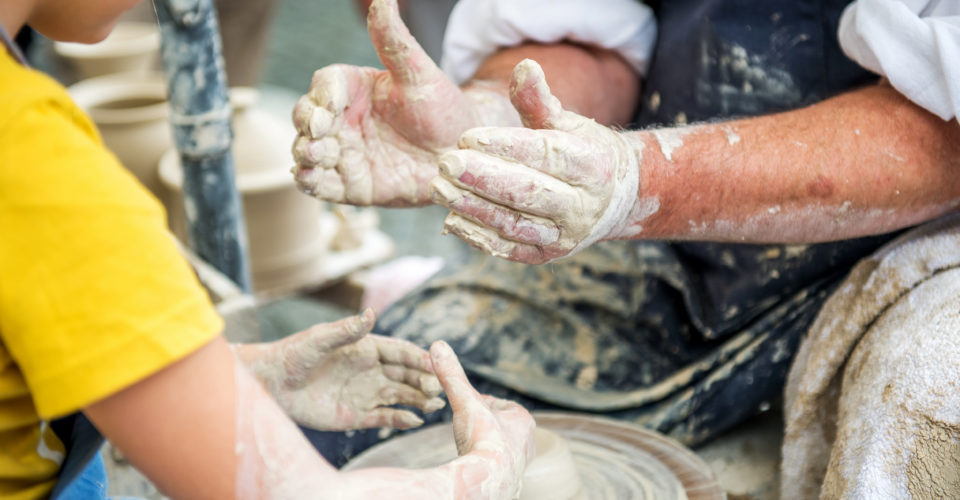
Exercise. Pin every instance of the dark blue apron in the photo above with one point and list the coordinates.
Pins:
(82, 441)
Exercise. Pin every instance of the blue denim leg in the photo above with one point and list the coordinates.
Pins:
(90, 484)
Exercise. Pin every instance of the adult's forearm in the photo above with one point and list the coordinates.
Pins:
(591, 81)
(861, 163)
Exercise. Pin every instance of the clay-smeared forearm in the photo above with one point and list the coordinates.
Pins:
(275, 461)
(861, 163)
(205, 428)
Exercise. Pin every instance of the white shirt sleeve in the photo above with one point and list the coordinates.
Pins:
(915, 44)
(478, 28)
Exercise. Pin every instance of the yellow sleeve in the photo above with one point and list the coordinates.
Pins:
(94, 295)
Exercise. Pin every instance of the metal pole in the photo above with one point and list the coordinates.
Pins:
(200, 117)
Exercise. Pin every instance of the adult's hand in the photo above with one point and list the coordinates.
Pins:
(543, 192)
(372, 137)
(336, 376)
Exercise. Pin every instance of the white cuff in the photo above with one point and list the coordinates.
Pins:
(915, 44)
(478, 28)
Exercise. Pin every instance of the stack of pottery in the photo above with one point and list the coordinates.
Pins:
(287, 235)
(124, 96)
(130, 111)
(132, 47)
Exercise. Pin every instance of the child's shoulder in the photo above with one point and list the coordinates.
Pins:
(23, 88)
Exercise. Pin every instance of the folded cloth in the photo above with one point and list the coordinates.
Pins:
(870, 402)
(478, 28)
(913, 43)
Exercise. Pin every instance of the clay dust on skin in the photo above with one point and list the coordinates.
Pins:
(365, 163)
(583, 207)
(337, 376)
(276, 462)
(670, 139)
(814, 223)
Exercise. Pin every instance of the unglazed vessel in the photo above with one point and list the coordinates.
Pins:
(131, 112)
(287, 235)
(132, 47)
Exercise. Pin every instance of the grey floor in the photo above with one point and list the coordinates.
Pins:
(309, 34)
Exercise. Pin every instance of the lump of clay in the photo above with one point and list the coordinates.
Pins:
(552, 473)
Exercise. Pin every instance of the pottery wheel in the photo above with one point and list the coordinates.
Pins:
(615, 460)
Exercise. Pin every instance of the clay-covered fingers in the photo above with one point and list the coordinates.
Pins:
(392, 393)
(399, 52)
(509, 223)
(566, 156)
(310, 153)
(325, 337)
(301, 352)
(508, 183)
(493, 243)
(515, 420)
(335, 87)
(389, 417)
(318, 119)
(402, 352)
(317, 113)
(312, 120)
(417, 379)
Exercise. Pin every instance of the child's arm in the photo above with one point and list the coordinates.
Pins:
(203, 428)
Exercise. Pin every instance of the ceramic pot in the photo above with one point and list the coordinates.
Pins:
(132, 47)
(130, 110)
(284, 226)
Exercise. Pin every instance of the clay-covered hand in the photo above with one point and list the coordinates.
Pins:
(337, 376)
(540, 193)
(372, 137)
(494, 437)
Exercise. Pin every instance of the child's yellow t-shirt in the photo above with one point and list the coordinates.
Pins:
(94, 295)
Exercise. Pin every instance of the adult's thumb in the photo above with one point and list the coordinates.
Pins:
(399, 52)
(532, 98)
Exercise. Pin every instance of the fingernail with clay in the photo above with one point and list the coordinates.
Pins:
(301, 152)
(430, 385)
(305, 175)
(433, 405)
(320, 122)
(407, 420)
(474, 137)
(451, 165)
(442, 192)
(301, 114)
(368, 316)
(440, 351)
(328, 89)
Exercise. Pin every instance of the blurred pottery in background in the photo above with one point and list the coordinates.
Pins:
(288, 232)
(132, 47)
(130, 110)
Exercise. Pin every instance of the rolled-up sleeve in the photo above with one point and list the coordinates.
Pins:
(478, 28)
(915, 44)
